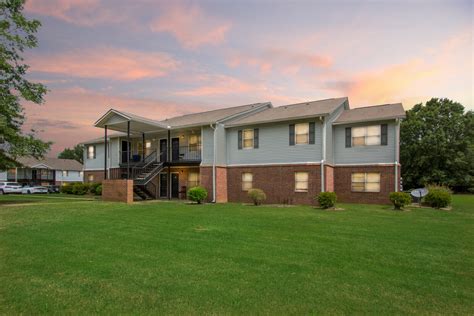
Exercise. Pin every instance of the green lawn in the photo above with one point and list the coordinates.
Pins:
(78, 256)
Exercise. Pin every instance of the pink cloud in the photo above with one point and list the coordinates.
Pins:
(218, 85)
(191, 26)
(110, 63)
(79, 12)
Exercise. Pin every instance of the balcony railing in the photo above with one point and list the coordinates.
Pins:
(187, 154)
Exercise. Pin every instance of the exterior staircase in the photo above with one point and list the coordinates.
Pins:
(143, 174)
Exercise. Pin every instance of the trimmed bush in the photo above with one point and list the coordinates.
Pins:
(80, 188)
(66, 189)
(98, 190)
(400, 199)
(438, 196)
(197, 194)
(93, 187)
(327, 199)
(257, 196)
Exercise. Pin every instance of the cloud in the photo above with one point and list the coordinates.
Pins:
(106, 63)
(217, 85)
(285, 61)
(78, 12)
(191, 26)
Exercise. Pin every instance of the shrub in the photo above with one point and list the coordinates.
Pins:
(98, 190)
(257, 196)
(67, 189)
(80, 188)
(197, 194)
(438, 196)
(400, 199)
(93, 187)
(327, 199)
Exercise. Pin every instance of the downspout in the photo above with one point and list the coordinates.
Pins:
(214, 164)
(397, 154)
(323, 160)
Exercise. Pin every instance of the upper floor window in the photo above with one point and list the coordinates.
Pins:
(372, 135)
(247, 181)
(193, 142)
(301, 181)
(366, 182)
(302, 133)
(65, 173)
(247, 138)
(91, 152)
(148, 144)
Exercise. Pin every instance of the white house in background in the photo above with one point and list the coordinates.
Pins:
(47, 171)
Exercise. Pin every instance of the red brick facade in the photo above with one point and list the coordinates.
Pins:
(329, 178)
(114, 173)
(117, 190)
(343, 182)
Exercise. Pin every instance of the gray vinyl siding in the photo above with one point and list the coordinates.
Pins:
(273, 145)
(98, 162)
(207, 145)
(329, 134)
(114, 152)
(3, 176)
(363, 154)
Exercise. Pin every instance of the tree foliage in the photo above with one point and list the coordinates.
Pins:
(17, 35)
(437, 145)
(75, 153)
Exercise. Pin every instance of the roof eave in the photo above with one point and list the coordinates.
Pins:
(369, 120)
(286, 119)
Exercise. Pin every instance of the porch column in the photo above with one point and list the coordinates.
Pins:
(105, 152)
(169, 160)
(128, 150)
(143, 147)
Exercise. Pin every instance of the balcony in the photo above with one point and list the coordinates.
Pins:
(179, 155)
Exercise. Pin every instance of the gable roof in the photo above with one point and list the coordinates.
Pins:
(209, 117)
(372, 113)
(51, 163)
(292, 111)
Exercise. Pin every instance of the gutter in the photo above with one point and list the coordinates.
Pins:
(323, 160)
(214, 164)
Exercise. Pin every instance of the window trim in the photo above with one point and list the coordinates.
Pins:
(307, 182)
(365, 136)
(366, 182)
(65, 173)
(307, 133)
(243, 182)
(252, 139)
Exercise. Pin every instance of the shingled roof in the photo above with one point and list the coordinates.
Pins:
(372, 113)
(292, 111)
(51, 163)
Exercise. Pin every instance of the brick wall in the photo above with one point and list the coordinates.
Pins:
(329, 178)
(343, 181)
(277, 181)
(205, 179)
(221, 185)
(114, 173)
(117, 190)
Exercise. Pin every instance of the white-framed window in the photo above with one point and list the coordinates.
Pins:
(81, 174)
(90, 178)
(247, 181)
(193, 179)
(91, 152)
(302, 133)
(193, 142)
(148, 144)
(366, 135)
(65, 173)
(247, 138)
(301, 181)
(365, 182)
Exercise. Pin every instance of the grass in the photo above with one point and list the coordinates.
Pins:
(79, 256)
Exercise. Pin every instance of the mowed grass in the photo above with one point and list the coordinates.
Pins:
(76, 256)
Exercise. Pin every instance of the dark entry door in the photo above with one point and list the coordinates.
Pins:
(34, 175)
(125, 151)
(175, 185)
(163, 150)
(175, 149)
(163, 184)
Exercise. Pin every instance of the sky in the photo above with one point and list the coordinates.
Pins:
(165, 58)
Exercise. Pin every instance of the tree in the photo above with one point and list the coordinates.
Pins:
(75, 153)
(16, 35)
(437, 145)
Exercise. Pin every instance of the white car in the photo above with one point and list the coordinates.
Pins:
(34, 189)
(10, 187)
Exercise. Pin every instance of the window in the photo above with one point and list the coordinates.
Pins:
(65, 173)
(193, 179)
(247, 138)
(366, 135)
(247, 180)
(148, 144)
(366, 182)
(302, 133)
(90, 178)
(193, 142)
(301, 181)
(91, 152)
(81, 174)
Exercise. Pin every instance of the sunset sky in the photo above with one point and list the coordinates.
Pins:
(161, 59)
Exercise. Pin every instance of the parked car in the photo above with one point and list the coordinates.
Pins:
(34, 189)
(53, 188)
(10, 187)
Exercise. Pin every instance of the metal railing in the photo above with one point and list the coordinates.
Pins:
(190, 153)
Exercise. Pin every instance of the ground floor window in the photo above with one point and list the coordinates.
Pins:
(90, 178)
(247, 181)
(301, 181)
(366, 182)
(193, 179)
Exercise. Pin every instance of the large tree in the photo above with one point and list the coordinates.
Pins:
(75, 153)
(16, 35)
(437, 145)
